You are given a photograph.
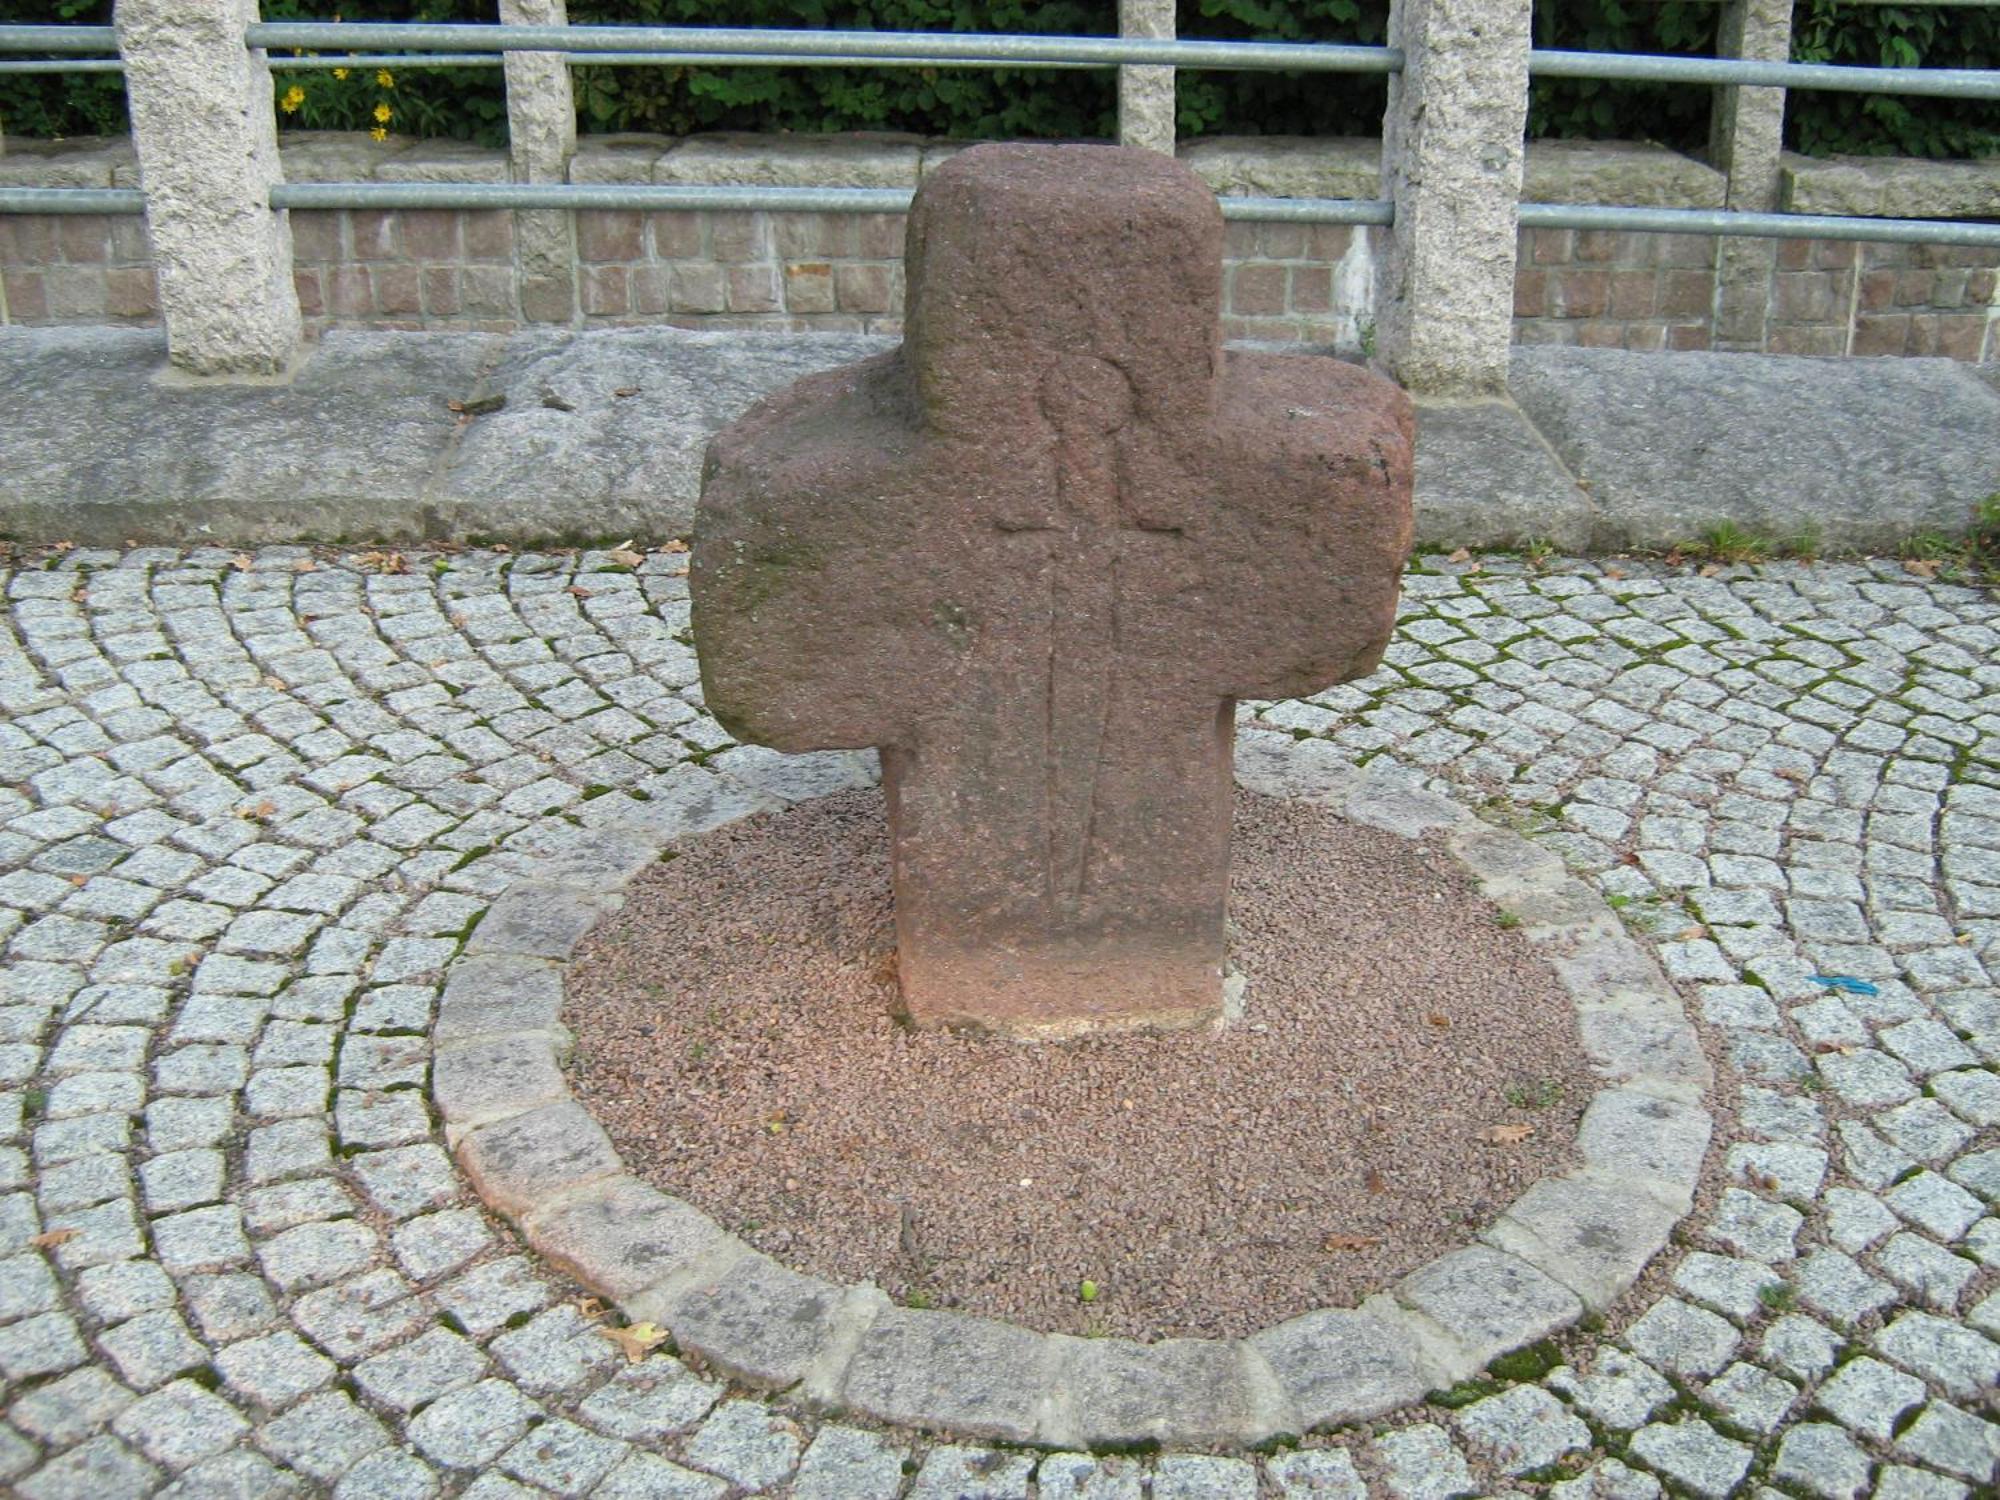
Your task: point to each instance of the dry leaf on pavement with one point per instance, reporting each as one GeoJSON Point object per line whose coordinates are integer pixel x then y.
{"type": "Point", "coordinates": [1506, 1135]}
{"type": "Point", "coordinates": [1350, 1241]}
{"type": "Point", "coordinates": [637, 1341]}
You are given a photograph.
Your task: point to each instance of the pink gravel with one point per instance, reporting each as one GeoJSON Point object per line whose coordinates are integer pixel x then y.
{"type": "Point", "coordinates": [736, 1038]}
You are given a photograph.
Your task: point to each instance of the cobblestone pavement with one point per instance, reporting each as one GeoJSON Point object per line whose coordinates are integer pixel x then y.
{"type": "Point", "coordinates": [251, 805]}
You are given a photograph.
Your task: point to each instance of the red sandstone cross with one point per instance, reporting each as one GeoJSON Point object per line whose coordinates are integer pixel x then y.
{"type": "Point", "coordinates": [1035, 555]}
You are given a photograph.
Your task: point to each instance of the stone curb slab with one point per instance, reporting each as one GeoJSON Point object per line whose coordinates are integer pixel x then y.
{"type": "Point", "coordinates": [1596, 448]}
{"type": "Point", "coordinates": [1566, 1245]}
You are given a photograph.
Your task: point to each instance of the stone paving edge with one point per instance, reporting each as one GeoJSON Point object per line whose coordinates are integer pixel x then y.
{"type": "Point", "coordinates": [1568, 1245]}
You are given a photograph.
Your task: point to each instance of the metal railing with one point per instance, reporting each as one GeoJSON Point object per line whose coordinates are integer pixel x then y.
{"type": "Point", "coordinates": [321, 45]}
{"type": "Point", "coordinates": [368, 44]}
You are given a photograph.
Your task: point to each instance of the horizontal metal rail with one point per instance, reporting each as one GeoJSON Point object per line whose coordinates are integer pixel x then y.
{"type": "Point", "coordinates": [1950, 83]}
{"type": "Point", "coordinates": [62, 65]}
{"type": "Point", "coordinates": [667, 196]}
{"type": "Point", "coordinates": [19, 200]}
{"type": "Point", "coordinates": [323, 62]}
{"type": "Point", "coordinates": [58, 39]}
{"type": "Point", "coordinates": [587, 195]}
{"type": "Point", "coordinates": [662, 196]}
{"type": "Point", "coordinates": [751, 44]}
{"type": "Point", "coordinates": [1723, 221]}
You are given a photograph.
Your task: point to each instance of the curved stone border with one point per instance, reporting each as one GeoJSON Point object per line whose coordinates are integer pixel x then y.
{"type": "Point", "coordinates": [1567, 1245]}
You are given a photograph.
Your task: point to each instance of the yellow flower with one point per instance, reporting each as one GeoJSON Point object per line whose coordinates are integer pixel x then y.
{"type": "Point", "coordinates": [340, 73]}
{"type": "Point", "coordinates": [383, 114]}
{"type": "Point", "coordinates": [383, 79]}
{"type": "Point", "coordinates": [294, 97]}
{"type": "Point", "coordinates": [378, 134]}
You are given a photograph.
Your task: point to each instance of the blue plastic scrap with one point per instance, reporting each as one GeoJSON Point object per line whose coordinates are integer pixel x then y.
{"type": "Point", "coordinates": [1845, 982]}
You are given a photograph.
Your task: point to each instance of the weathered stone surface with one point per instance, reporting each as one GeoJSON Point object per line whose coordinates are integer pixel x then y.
{"type": "Point", "coordinates": [1592, 1237]}
{"type": "Point", "coordinates": [1280, 166]}
{"type": "Point", "coordinates": [537, 921]}
{"type": "Point", "coordinates": [247, 462]}
{"type": "Point", "coordinates": [752, 1318]}
{"type": "Point", "coordinates": [1337, 1366]}
{"type": "Point", "coordinates": [1804, 443]}
{"type": "Point", "coordinates": [497, 995]}
{"type": "Point", "coordinates": [520, 1163]}
{"type": "Point", "coordinates": [1304, 770]}
{"type": "Point", "coordinates": [1185, 1392]}
{"type": "Point", "coordinates": [495, 1078]}
{"type": "Point", "coordinates": [1645, 1142]}
{"type": "Point", "coordinates": [206, 131]}
{"type": "Point", "coordinates": [1046, 483]}
{"type": "Point", "coordinates": [1452, 165]}
{"type": "Point", "coordinates": [1485, 478]}
{"type": "Point", "coordinates": [637, 457]}
{"type": "Point", "coordinates": [1891, 187]}
{"type": "Point", "coordinates": [966, 1374]}
{"type": "Point", "coordinates": [622, 1236]}
{"type": "Point", "coordinates": [1146, 95]}
{"type": "Point", "coordinates": [1637, 174]}
{"type": "Point", "coordinates": [1478, 1303]}
{"type": "Point", "coordinates": [852, 159]}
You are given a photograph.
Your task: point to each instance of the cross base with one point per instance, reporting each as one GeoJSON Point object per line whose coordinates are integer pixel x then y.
{"type": "Point", "coordinates": [1059, 991]}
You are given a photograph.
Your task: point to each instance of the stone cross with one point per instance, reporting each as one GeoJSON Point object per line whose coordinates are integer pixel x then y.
{"type": "Point", "coordinates": [1035, 555]}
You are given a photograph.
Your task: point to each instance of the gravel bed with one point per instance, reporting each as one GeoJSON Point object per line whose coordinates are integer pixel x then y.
{"type": "Point", "coordinates": [736, 1038]}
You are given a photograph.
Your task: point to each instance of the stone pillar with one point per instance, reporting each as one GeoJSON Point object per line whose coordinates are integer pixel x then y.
{"type": "Point", "coordinates": [1452, 153]}
{"type": "Point", "coordinates": [205, 128]}
{"type": "Point", "coordinates": [541, 139]}
{"type": "Point", "coordinates": [1745, 136]}
{"type": "Point", "coordinates": [1146, 95]}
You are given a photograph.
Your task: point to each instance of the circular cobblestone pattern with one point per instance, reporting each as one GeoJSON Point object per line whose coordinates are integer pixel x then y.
{"type": "Point", "coordinates": [256, 806]}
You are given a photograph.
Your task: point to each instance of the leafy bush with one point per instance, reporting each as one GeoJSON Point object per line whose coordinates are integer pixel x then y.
{"type": "Point", "coordinates": [470, 104]}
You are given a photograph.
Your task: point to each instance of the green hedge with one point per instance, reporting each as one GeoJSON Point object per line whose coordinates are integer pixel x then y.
{"type": "Point", "coordinates": [468, 103]}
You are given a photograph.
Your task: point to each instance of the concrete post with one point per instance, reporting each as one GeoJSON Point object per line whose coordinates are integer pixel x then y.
{"type": "Point", "coordinates": [1146, 95]}
{"type": "Point", "coordinates": [205, 129]}
{"type": "Point", "coordinates": [1746, 134]}
{"type": "Point", "coordinates": [541, 139]}
{"type": "Point", "coordinates": [1452, 153]}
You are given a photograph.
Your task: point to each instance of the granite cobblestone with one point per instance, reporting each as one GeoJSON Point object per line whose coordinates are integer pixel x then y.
{"type": "Point", "coordinates": [255, 805]}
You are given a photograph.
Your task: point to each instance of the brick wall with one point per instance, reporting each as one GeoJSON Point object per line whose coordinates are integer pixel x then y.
{"type": "Point", "coordinates": [805, 272]}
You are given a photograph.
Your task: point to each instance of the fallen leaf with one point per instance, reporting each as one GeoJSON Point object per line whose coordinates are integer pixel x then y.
{"type": "Point", "coordinates": [579, 590]}
{"type": "Point", "coordinates": [1845, 1049]}
{"type": "Point", "coordinates": [242, 562]}
{"type": "Point", "coordinates": [1922, 567]}
{"type": "Point", "coordinates": [1691, 934]}
{"type": "Point", "coordinates": [1506, 1135]}
{"type": "Point", "coordinates": [304, 565]}
{"type": "Point", "coordinates": [1790, 773]}
{"type": "Point", "coordinates": [1376, 1182]}
{"type": "Point", "coordinates": [62, 546]}
{"type": "Point", "coordinates": [625, 557]}
{"type": "Point", "coordinates": [590, 1309]}
{"type": "Point", "coordinates": [1614, 573]}
{"type": "Point", "coordinates": [626, 390]}
{"type": "Point", "coordinates": [53, 1237]}
{"type": "Point", "coordinates": [637, 1341]}
{"type": "Point", "coordinates": [1709, 570]}
{"type": "Point", "coordinates": [1463, 554]}
{"type": "Point", "coordinates": [79, 880]}
{"type": "Point", "coordinates": [1439, 1019]}
{"type": "Point", "coordinates": [676, 545]}
{"type": "Point", "coordinates": [1350, 1241]}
